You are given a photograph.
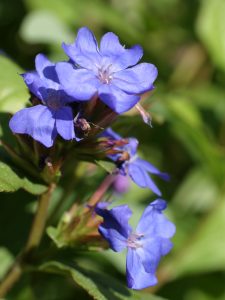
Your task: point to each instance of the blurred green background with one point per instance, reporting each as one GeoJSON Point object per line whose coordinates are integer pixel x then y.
{"type": "Point", "coordinates": [185, 39]}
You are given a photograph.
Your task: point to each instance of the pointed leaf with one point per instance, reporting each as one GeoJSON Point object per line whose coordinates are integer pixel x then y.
{"type": "Point", "coordinates": [106, 165]}
{"type": "Point", "coordinates": [11, 182]}
{"type": "Point", "coordinates": [99, 286]}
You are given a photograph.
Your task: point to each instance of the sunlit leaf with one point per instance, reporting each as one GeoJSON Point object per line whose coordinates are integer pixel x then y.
{"type": "Point", "coordinates": [6, 259]}
{"type": "Point", "coordinates": [106, 165]}
{"type": "Point", "coordinates": [204, 250]}
{"type": "Point", "coordinates": [33, 29]}
{"type": "Point", "coordinates": [13, 92]}
{"type": "Point", "coordinates": [211, 28]}
{"type": "Point", "coordinates": [11, 182]}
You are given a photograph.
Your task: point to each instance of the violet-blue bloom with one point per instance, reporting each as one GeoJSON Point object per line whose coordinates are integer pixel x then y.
{"type": "Point", "coordinates": [121, 184]}
{"type": "Point", "coordinates": [145, 246]}
{"type": "Point", "coordinates": [137, 168]}
{"type": "Point", "coordinates": [44, 121]}
{"type": "Point", "coordinates": [109, 71]}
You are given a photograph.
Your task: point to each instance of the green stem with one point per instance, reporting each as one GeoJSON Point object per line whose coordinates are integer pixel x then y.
{"type": "Point", "coordinates": [33, 242]}
{"type": "Point", "coordinates": [11, 278]}
{"type": "Point", "coordinates": [38, 226]}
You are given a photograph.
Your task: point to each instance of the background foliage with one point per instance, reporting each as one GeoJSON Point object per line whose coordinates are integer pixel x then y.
{"type": "Point", "coordinates": [185, 40]}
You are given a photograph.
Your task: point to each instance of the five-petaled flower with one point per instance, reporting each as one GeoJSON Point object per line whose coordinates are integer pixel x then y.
{"type": "Point", "coordinates": [145, 246]}
{"type": "Point", "coordinates": [109, 71]}
{"type": "Point", "coordinates": [137, 168]}
{"type": "Point", "coordinates": [44, 121]}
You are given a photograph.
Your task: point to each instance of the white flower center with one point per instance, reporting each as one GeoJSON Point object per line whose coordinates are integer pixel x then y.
{"type": "Point", "coordinates": [105, 75]}
{"type": "Point", "coordinates": [134, 240]}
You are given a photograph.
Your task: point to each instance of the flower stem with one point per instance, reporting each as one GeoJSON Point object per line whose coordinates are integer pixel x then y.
{"type": "Point", "coordinates": [99, 193]}
{"type": "Point", "coordinates": [33, 242]}
{"type": "Point", "coordinates": [38, 226]}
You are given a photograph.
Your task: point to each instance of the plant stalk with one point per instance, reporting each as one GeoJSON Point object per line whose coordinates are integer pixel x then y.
{"type": "Point", "coordinates": [36, 232]}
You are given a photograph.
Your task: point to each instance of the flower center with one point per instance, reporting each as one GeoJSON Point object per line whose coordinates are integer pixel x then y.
{"type": "Point", "coordinates": [104, 75]}
{"type": "Point", "coordinates": [134, 240]}
{"type": "Point", "coordinates": [53, 101]}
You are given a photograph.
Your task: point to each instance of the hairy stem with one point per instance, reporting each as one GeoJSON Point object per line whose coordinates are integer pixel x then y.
{"type": "Point", "coordinates": [33, 242]}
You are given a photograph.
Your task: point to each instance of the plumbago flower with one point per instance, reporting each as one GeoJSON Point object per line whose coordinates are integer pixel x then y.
{"type": "Point", "coordinates": [145, 246]}
{"type": "Point", "coordinates": [132, 165]}
{"type": "Point", "coordinates": [44, 121]}
{"type": "Point", "coordinates": [108, 71]}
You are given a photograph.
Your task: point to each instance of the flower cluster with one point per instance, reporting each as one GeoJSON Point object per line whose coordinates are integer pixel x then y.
{"type": "Point", "coordinates": [53, 115]}
{"type": "Point", "coordinates": [108, 72]}
{"type": "Point", "coordinates": [129, 163]}
{"type": "Point", "coordinates": [96, 84]}
{"type": "Point", "coordinates": [145, 246]}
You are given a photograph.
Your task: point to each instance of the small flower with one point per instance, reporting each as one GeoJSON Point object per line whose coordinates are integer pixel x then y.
{"type": "Point", "coordinates": [44, 121]}
{"type": "Point", "coordinates": [145, 246]}
{"type": "Point", "coordinates": [121, 184]}
{"type": "Point", "coordinates": [129, 163]}
{"type": "Point", "coordinates": [108, 71]}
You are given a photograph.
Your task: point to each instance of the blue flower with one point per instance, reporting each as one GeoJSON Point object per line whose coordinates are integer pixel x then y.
{"type": "Point", "coordinates": [108, 71]}
{"type": "Point", "coordinates": [132, 165]}
{"type": "Point", "coordinates": [145, 246]}
{"type": "Point", "coordinates": [121, 184]}
{"type": "Point", "coordinates": [44, 121]}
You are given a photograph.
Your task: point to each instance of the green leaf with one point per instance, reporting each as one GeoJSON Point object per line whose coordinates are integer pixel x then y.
{"type": "Point", "coordinates": [211, 28]}
{"type": "Point", "coordinates": [11, 182]}
{"type": "Point", "coordinates": [54, 234]}
{"type": "Point", "coordinates": [108, 166]}
{"type": "Point", "coordinates": [13, 92]}
{"type": "Point", "coordinates": [204, 251]}
{"type": "Point", "coordinates": [6, 259]}
{"type": "Point", "coordinates": [197, 193]}
{"type": "Point", "coordinates": [33, 29]}
{"type": "Point", "coordinates": [99, 286]}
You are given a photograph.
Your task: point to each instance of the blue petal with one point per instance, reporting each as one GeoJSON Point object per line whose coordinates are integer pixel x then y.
{"type": "Point", "coordinates": [151, 169]}
{"type": "Point", "coordinates": [46, 71]}
{"type": "Point", "coordinates": [132, 146]}
{"type": "Point", "coordinates": [152, 251]}
{"type": "Point", "coordinates": [166, 246]}
{"type": "Point", "coordinates": [36, 121]}
{"type": "Point", "coordinates": [34, 83]}
{"type": "Point", "coordinates": [64, 123]}
{"type": "Point", "coordinates": [115, 228]}
{"type": "Point", "coordinates": [119, 57]}
{"type": "Point", "coordinates": [141, 178]}
{"type": "Point", "coordinates": [136, 80]}
{"type": "Point", "coordinates": [111, 134]}
{"type": "Point", "coordinates": [153, 223]}
{"type": "Point", "coordinates": [129, 58]}
{"type": "Point", "coordinates": [42, 62]}
{"type": "Point", "coordinates": [43, 80]}
{"type": "Point", "coordinates": [116, 99]}
{"type": "Point", "coordinates": [78, 83]}
{"type": "Point", "coordinates": [137, 277]}
{"type": "Point", "coordinates": [84, 51]}
{"type": "Point", "coordinates": [110, 45]}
